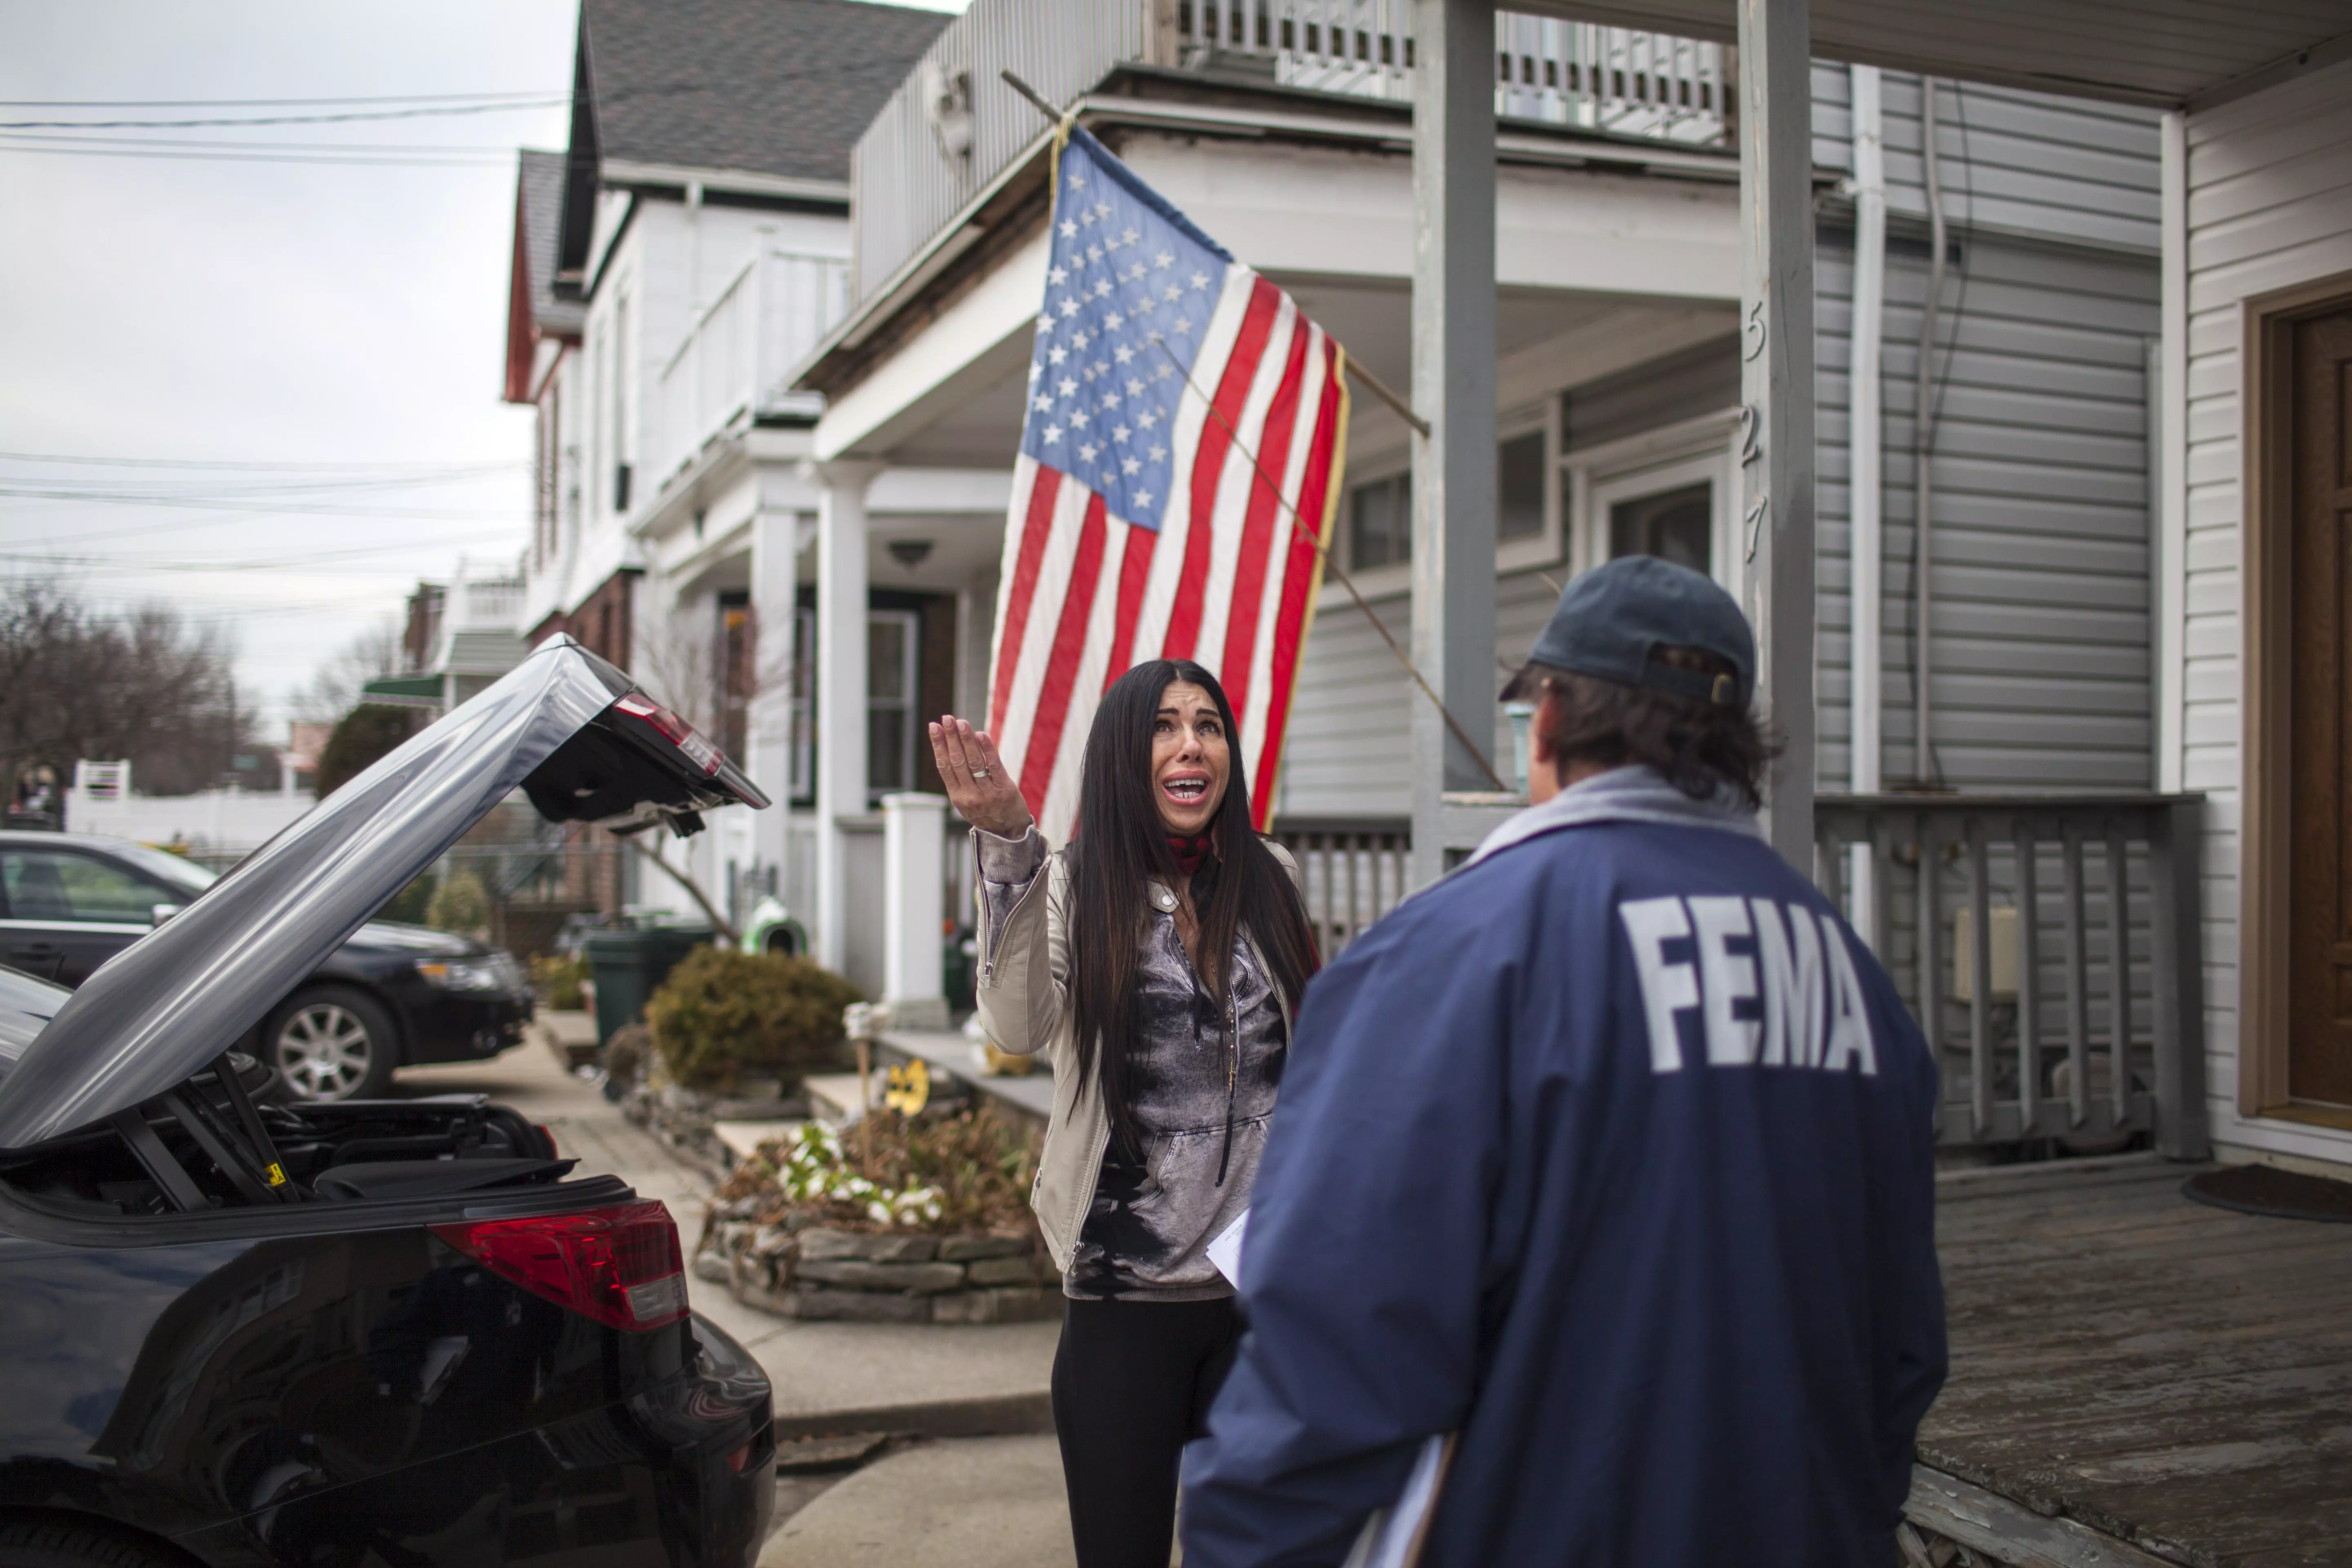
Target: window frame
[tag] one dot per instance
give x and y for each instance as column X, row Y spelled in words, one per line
column 1673, row 456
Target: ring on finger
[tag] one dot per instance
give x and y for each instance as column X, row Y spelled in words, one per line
column 979, row 772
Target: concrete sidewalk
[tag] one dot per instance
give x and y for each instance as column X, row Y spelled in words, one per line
column 984, row 1502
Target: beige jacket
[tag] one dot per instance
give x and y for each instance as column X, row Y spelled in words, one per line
column 1024, row 1006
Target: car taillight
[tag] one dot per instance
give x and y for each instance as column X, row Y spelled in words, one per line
column 620, row 1266
column 672, row 728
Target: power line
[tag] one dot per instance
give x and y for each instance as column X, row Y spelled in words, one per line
column 327, row 160
column 241, row 463
column 298, row 509
column 268, row 102
column 544, row 101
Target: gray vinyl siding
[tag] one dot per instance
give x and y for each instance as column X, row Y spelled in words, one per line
column 2010, row 162
column 2042, row 592
column 2041, row 651
column 1698, row 380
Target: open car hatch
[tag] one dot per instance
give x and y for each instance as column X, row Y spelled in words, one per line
column 569, row 731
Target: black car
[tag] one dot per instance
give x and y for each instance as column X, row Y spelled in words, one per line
column 235, row 1331
column 391, row 996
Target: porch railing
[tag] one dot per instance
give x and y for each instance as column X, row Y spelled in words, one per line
column 2049, row 947
column 953, row 125
column 733, row 363
column 1567, row 73
column 1354, row 871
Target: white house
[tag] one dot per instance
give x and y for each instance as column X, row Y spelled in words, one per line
column 1616, row 425
column 687, row 249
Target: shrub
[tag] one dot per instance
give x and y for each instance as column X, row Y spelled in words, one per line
column 461, row 904
column 362, row 737
column 723, row 1016
column 941, row 1172
column 555, row 981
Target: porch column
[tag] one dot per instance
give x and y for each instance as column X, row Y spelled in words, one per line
column 775, row 555
column 841, row 604
column 914, row 859
column 1774, row 551
column 1454, row 389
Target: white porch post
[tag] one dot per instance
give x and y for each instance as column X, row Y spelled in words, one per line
column 914, row 860
column 1453, row 389
column 775, row 553
column 841, row 606
column 1773, row 551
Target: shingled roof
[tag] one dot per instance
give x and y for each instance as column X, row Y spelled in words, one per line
column 773, row 87
column 533, row 307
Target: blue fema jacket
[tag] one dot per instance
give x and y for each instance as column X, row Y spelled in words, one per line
column 1612, row 1151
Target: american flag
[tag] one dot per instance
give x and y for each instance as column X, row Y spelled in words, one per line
column 1180, row 466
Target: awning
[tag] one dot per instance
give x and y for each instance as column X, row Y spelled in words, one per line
column 403, row 691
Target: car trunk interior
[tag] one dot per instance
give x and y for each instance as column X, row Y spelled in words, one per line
column 212, row 1143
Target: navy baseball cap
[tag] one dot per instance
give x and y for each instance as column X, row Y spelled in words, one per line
column 1612, row 621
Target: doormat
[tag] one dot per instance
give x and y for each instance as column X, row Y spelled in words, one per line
column 2267, row 1190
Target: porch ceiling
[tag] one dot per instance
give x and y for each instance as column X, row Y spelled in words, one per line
column 2171, row 53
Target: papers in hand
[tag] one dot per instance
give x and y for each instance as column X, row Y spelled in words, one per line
column 1393, row 1536
column 1225, row 1251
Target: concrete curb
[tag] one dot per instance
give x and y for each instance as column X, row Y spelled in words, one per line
column 992, row 1415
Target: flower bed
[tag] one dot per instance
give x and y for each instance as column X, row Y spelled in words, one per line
column 929, row 1225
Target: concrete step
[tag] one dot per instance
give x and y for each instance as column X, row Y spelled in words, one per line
column 978, row 1502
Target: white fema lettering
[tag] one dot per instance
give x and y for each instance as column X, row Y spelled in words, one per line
column 1793, row 972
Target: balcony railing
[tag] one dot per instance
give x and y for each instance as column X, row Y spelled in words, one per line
column 952, row 126
column 733, row 364
column 1353, row 872
column 2049, row 947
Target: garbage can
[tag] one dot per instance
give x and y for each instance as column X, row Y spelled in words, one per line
column 629, row 964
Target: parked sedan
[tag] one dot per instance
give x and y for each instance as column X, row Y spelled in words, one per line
column 391, row 996
column 236, row 1333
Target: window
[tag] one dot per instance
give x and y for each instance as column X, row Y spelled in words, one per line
column 1380, row 523
column 1520, row 487
column 893, row 644
column 893, row 664
column 48, row 885
column 1675, row 525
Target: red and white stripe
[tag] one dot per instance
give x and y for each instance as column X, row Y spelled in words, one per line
column 1229, row 581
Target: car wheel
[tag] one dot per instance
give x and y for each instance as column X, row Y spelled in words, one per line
column 331, row 1043
column 43, row 1544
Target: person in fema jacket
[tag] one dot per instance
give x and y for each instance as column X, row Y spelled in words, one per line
column 1611, row 1154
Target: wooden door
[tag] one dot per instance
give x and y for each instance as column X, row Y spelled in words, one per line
column 2319, row 878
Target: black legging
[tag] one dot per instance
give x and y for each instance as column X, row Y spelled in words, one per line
column 1132, row 1382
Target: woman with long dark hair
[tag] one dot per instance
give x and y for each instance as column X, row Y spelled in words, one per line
column 1158, row 960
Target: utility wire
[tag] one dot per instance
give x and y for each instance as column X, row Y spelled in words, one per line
column 244, row 463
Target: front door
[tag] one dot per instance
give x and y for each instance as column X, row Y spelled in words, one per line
column 2319, row 881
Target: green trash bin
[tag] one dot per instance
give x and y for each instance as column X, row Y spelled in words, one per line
column 629, row 964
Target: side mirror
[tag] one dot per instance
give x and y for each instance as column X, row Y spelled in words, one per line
column 163, row 912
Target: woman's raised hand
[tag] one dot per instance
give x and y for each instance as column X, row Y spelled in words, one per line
column 978, row 787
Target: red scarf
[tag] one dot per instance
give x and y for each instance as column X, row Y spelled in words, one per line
column 1190, row 852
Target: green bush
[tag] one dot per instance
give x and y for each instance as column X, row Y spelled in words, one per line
column 409, row 904
column 723, row 1016
column 361, row 736
column 555, row 981
column 461, row 904
column 946, row 1170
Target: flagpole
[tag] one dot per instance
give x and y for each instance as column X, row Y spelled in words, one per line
column 1333, row 567
column 1371, row 384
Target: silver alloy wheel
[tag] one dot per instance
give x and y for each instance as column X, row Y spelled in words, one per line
column 324, row 1051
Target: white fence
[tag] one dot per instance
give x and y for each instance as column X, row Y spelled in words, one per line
column 735, row 361
column 214, row 823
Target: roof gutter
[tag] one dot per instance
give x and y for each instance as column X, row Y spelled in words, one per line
column 629, row 171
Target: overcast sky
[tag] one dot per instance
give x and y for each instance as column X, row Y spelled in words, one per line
column 326, row 337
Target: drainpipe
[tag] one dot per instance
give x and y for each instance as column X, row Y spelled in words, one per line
column 1923, row 445
column 1867, row 456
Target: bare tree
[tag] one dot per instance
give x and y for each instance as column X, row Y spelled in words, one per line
column 334, row 690
column 76, row 683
